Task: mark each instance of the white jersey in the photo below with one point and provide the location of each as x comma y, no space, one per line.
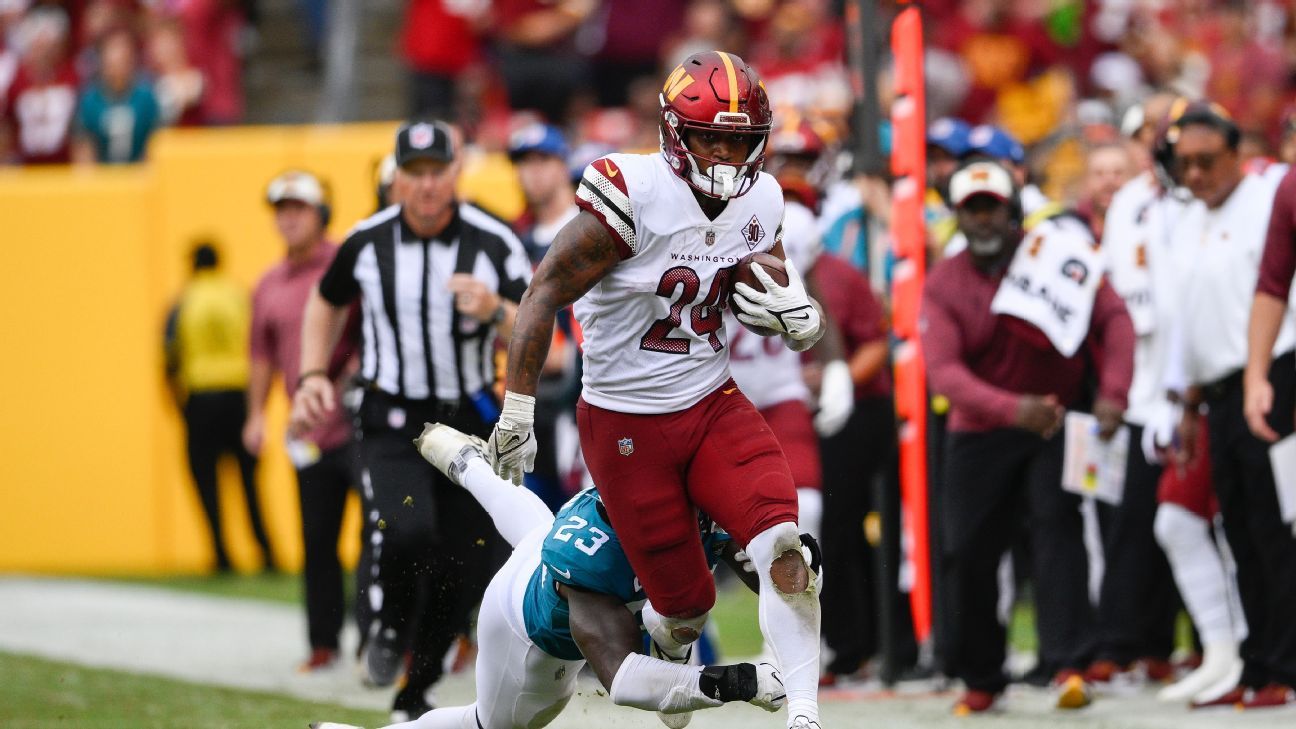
767,371
655,340
1216,278
1140,253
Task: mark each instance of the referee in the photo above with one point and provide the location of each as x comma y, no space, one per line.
437,281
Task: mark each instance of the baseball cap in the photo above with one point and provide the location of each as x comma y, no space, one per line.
295,185
950,135
981,178
424,140
995,142
541,138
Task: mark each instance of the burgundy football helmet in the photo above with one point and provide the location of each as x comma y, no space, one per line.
715,91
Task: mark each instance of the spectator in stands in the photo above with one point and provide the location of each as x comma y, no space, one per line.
1010,370
628,53
207,370
322,457
440,42
536,46
178,85
41,103
211,30
1228,221
119,111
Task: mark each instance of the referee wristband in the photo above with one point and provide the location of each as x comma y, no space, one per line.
309,374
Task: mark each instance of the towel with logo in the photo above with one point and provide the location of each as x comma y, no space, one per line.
1052,281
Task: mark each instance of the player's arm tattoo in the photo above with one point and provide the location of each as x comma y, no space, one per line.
582,254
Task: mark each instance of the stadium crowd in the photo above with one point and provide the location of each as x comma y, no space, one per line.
1142,147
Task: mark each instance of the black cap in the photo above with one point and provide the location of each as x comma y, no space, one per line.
424,140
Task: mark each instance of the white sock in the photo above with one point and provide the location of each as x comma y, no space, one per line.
515,510
450,717
1198,570
652,684
810,512
790,623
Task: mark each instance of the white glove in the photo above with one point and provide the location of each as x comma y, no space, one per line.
1159,431
836,398
784,309
513,443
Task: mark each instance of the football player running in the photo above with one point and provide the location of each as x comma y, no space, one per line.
567,596
663,428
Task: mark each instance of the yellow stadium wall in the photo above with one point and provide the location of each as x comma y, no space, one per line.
93,478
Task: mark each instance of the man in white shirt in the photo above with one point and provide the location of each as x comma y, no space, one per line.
1222,234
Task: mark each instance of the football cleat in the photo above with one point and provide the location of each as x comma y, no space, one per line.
383,657
803,722
770,694
449,450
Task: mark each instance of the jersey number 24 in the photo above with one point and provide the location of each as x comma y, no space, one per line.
704,317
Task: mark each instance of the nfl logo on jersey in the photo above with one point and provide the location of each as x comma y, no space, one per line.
625,446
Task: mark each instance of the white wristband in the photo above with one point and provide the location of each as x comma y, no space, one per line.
518,410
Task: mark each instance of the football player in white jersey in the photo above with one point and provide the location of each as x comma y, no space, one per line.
663,429
567,595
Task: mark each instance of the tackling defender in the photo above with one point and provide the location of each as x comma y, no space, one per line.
567,596
663,428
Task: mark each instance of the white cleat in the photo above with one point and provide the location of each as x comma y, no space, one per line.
1221,668
770,694
448,449
331,725
802,722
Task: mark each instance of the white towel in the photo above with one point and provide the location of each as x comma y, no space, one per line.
1052,281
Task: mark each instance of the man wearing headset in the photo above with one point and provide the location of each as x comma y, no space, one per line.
1010,326
1226,226
322,455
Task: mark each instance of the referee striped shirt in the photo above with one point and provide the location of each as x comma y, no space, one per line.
416,344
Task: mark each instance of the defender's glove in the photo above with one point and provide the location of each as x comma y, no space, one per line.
836,398
512,444
786,309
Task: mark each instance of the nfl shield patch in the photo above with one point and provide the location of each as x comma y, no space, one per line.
625,446
421,135
710,236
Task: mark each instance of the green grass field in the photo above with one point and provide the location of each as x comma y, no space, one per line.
41,694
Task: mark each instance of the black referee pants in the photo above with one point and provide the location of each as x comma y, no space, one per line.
1262,544
432,543
214,427
990,479
322,492
852,459
1138,601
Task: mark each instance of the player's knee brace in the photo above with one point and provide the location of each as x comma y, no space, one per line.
1177,528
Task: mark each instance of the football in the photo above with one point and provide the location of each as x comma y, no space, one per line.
742,273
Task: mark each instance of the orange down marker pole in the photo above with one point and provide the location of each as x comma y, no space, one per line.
909,237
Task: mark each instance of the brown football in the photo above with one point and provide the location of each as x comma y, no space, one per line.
742,273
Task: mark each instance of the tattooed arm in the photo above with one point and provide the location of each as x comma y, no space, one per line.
582,254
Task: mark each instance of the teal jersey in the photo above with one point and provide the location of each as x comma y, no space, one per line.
582,550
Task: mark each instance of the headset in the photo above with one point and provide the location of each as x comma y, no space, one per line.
286,177
1184,113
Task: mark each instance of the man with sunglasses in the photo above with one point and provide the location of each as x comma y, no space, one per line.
1223,233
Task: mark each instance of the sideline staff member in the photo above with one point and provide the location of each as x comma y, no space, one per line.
991,314
437,280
